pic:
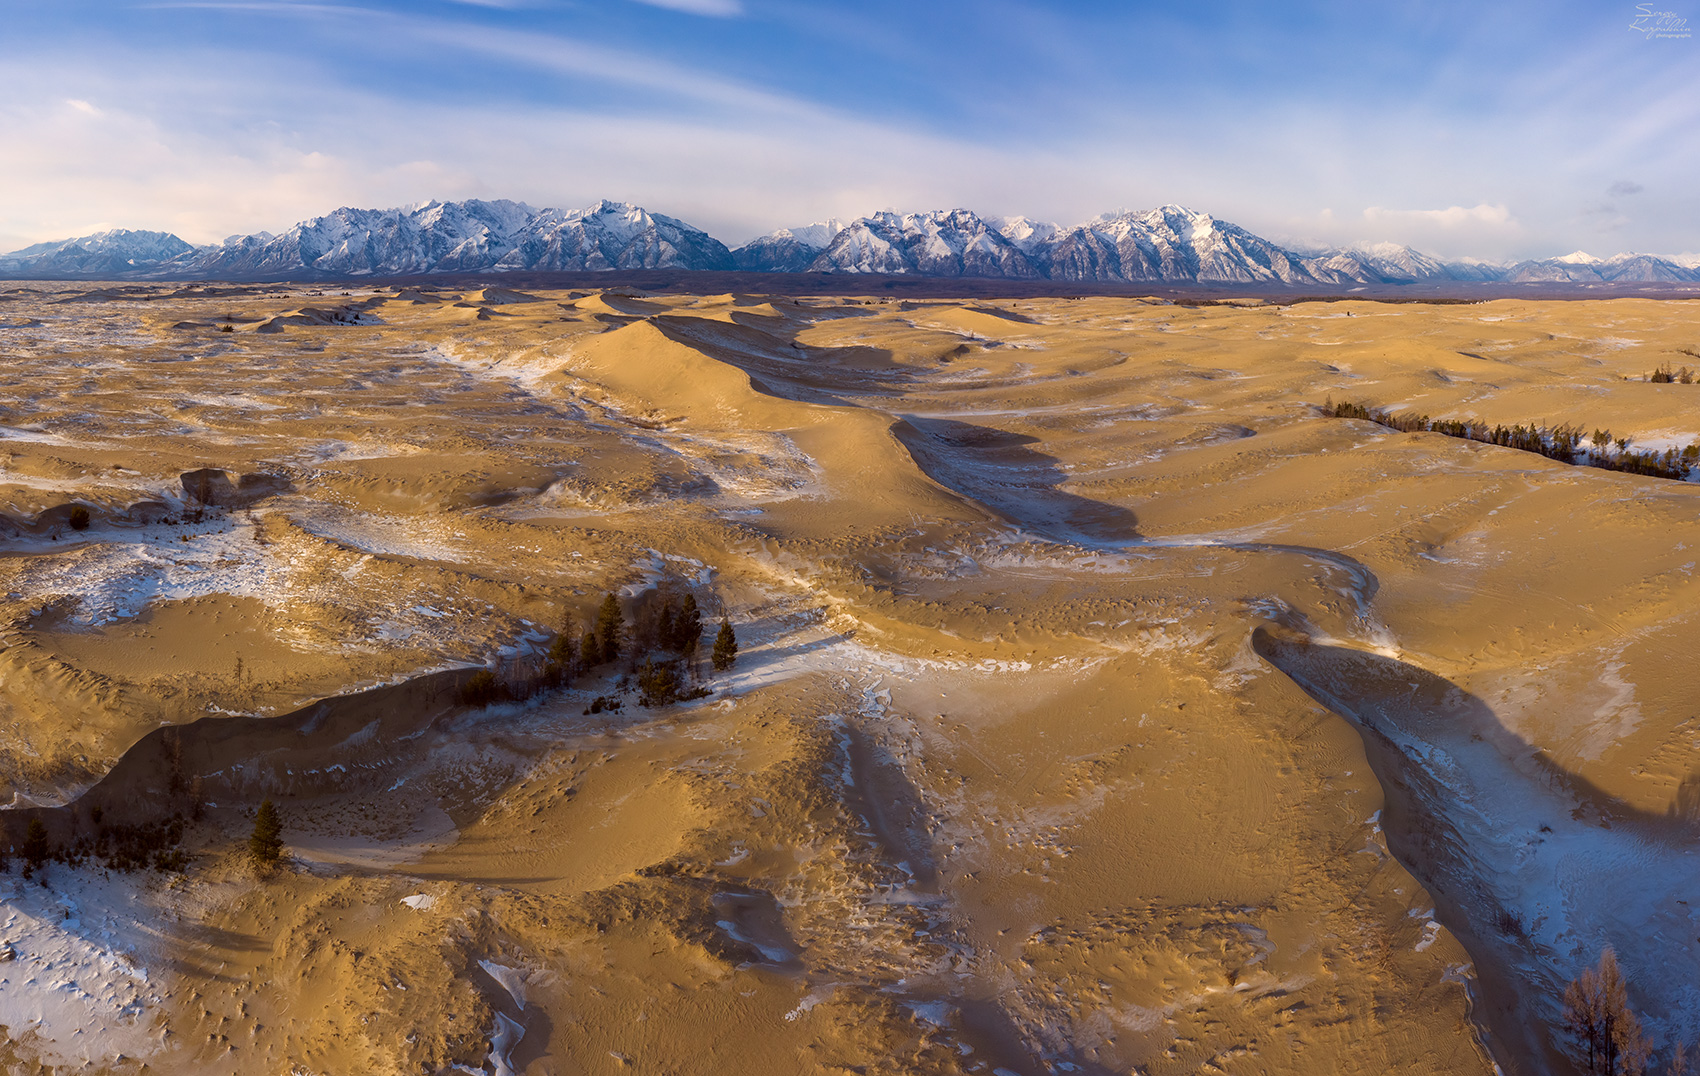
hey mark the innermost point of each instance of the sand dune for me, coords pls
(1102, 706)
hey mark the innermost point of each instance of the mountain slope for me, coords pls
(463, 237)
(789, 250)
(943, 243)
(1168, 245)
(1171, 244)
(104, 254)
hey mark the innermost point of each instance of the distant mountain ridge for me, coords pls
(1168, 245)
(104, 254)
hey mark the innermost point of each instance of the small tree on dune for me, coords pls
(480, 689)
(667, 626)
(36, 848)
(610, 623)
(687, 628)
(725, 647)
(563, 653)
(265, 845)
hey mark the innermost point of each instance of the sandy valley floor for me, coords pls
(1103, 707)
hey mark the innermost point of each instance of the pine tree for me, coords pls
(687, 629)
(563, 653)
(609, 625)
(725, 647)
(265, 846)
(36, 849)
(589, 651)
(666, 628)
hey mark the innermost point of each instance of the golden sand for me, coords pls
(1102, 706)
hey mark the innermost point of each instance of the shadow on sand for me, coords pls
(1533, 867)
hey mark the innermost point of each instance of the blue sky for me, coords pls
(1489, 130)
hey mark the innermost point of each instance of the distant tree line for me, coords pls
(1563, 443)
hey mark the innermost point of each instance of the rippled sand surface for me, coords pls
(1102, 706)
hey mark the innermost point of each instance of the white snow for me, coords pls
(77, 991)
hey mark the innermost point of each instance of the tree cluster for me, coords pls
(1563, 443)
(660, 644)
(1606, 1032)
(117, 846)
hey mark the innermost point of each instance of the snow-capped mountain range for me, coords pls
(1168, 245)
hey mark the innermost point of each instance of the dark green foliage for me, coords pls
(36, 849)
(79, 518)
(666, 633)
(658, 682)
(1562, 443)
(1347, 409)
(608, 703)
(265, 845)
(480, 689)
(590, 651)
(563, 657)
(687, 628)
(610, 625)
(663, 682)
(725, 647)
(132, 848)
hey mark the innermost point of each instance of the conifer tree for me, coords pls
(666, 627)
(687, 629)
(35, 849)
(265, 846)
(725, 646)
(609, 624)
(563, 653)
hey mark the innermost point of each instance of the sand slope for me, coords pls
(1102, 706)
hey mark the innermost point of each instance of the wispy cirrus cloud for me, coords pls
(714, 8)
(214, 116)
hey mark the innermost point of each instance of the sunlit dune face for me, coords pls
(1101, 703)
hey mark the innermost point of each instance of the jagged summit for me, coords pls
(107, 254)
(1171, 244)
(471, 236)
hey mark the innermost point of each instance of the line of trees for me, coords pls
(1564, 443)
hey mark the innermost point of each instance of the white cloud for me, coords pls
(82, 106)
(1450, 217)
(716, 8)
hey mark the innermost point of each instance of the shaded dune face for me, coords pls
(1528, 861)
(1101, 704)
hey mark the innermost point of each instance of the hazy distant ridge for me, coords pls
(1167, 245)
